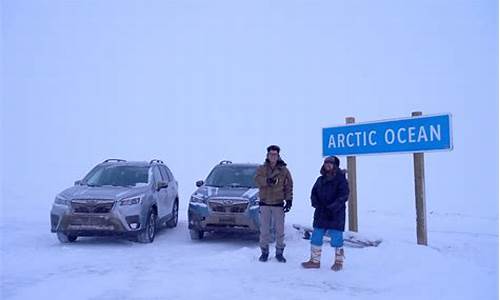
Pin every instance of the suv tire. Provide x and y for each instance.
(65, 238)
(147, 235)
(196, 234)
(175, 215)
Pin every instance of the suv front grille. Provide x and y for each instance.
(217, 207)
(239, 208)
(92, 206)
(228, 206)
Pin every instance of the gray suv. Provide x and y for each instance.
(227, 201)
(118, 197)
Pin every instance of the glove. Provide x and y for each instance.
(288, 206)
(271, 181)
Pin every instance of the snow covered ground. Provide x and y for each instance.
(460, 263)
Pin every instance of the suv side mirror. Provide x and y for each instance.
(78, 182)
(199, 183)
(160, 185)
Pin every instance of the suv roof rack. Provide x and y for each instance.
(156, 161)
(225, 162)
(114, 159)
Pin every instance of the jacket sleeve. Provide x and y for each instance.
(288, 185)
(314, 195)
(260, 177)
(342, 195)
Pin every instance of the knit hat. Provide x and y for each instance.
(333, 160)
(273, 148)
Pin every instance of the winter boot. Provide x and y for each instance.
(279, 255)
(339, 259)
(265, 254)
(314, 261)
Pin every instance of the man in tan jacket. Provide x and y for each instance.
(276, 193)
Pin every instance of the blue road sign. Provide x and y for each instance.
(416, 134)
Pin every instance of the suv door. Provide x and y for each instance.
(175, 185)
(171, 189)
(161, 195)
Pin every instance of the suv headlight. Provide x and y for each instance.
(198, 198)
(131, 200)
(62, 201)
(254, 200)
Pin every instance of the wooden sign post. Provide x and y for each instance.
(353, 194)
(419, 173)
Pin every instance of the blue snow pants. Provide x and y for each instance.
(337, 238)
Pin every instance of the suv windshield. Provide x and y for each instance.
(232, 176)
(117, 176)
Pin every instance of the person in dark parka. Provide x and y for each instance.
(328, 196)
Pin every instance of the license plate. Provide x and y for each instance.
(226, 220)
(96, 220)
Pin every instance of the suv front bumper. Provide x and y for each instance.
(115, 222)
(201, 218)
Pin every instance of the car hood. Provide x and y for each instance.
(104, 192)
(216, 192)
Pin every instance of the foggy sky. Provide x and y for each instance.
(196, 82)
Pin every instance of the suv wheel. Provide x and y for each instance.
(147, 235)
(175, 215)
(196, 234)
(65, 238)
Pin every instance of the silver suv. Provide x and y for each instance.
(227, 201)
(118, 197)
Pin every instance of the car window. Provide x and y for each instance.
(169, 173)
(156, 175)
(117, 175)
(232, 176)
(164, 174)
